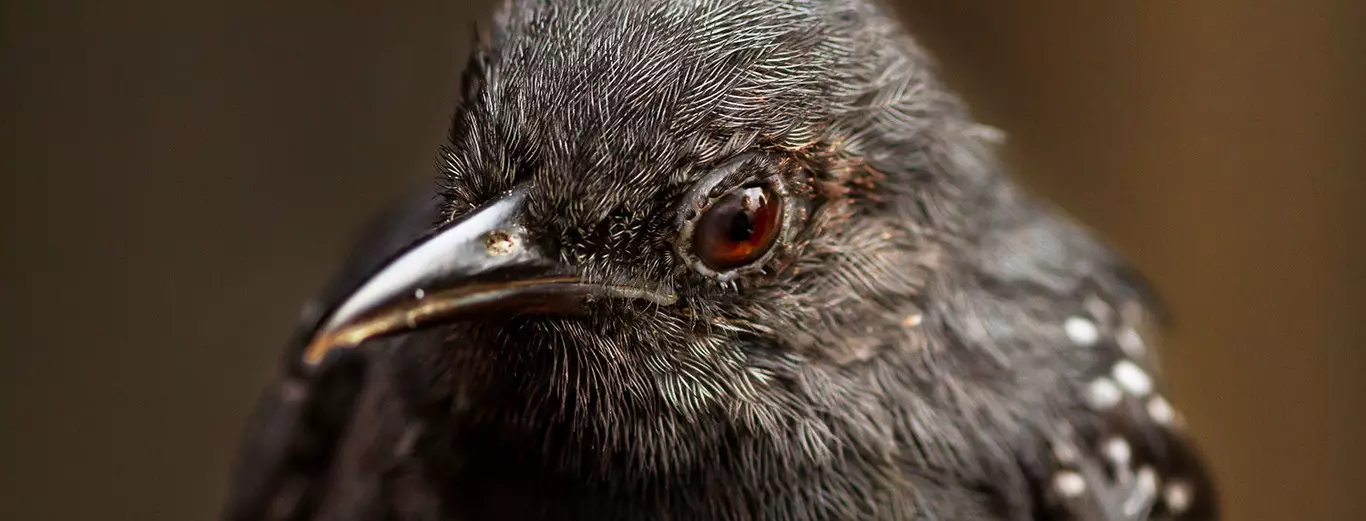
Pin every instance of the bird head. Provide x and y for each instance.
(673, 230)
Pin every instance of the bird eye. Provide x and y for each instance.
(738, 228)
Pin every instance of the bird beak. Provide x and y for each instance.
(487, 260)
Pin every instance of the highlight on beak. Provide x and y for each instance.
(485, 261)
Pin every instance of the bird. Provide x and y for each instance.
(721, 260)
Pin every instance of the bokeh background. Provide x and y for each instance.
(180, 176)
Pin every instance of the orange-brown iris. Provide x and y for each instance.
(739, 228)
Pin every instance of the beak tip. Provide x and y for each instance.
(327, 340)
(317, 350)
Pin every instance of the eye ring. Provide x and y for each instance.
(736, 218)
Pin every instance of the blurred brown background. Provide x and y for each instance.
(179, 176)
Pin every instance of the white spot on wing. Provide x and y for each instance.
(1132, 378)
(1118, 451)
(1177, 496)
(1081, 331)
(1161, 411)
(1069, 484)
(1103, 394)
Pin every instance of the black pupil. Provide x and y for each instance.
(741, 226)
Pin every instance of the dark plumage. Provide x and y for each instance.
(922, 341)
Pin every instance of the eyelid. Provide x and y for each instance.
(727, 177)
(718, 182)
